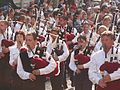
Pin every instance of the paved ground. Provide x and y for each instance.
(48, 85)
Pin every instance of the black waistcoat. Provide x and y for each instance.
(26, 61)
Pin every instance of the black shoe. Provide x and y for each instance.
(72, 84)
(65, 86)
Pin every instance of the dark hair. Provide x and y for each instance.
(21, 33)
(33, 17)
(82, 37)
(22, 17)
(64, 17)
(33, 34)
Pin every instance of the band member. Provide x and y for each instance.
(98, 44)
(25, 66)
(107, 21)
(11, 15)
(59, 51)
(90, 34)
(79, 63)
(104, 10)
(20, 25)
(105, 66)
(5, 33)
(15, 49)
(13, 53)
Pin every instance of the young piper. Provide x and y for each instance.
(79, 63)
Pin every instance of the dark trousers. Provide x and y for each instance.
(82, 81)
(9, 80)
(38, 84)
(70, 72)
(57, 81)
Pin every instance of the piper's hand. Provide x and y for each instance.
(56, 58)
(107, 78)
(102, 83)
(14, 64)
(1, 55)
(80, 67)
(36, 72)
(5, 50)
(78, 71)
(32, 77)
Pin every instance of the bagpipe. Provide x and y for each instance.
(40, 38)
(113, 23)
(81, 58)
(111, 66)
(6, 43)
(84, 56)
(108, 68)
(58, 50)
(69, 36)
(36, 63)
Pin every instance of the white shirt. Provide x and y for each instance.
(5, 34)
(14, 53)
(46, 70)
(97, 59)
(98, 46)
(92, 40)
(72, 65)
(51, 46)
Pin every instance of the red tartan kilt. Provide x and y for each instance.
(41, 63)
(114, 85)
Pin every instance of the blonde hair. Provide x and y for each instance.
(108, 34)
